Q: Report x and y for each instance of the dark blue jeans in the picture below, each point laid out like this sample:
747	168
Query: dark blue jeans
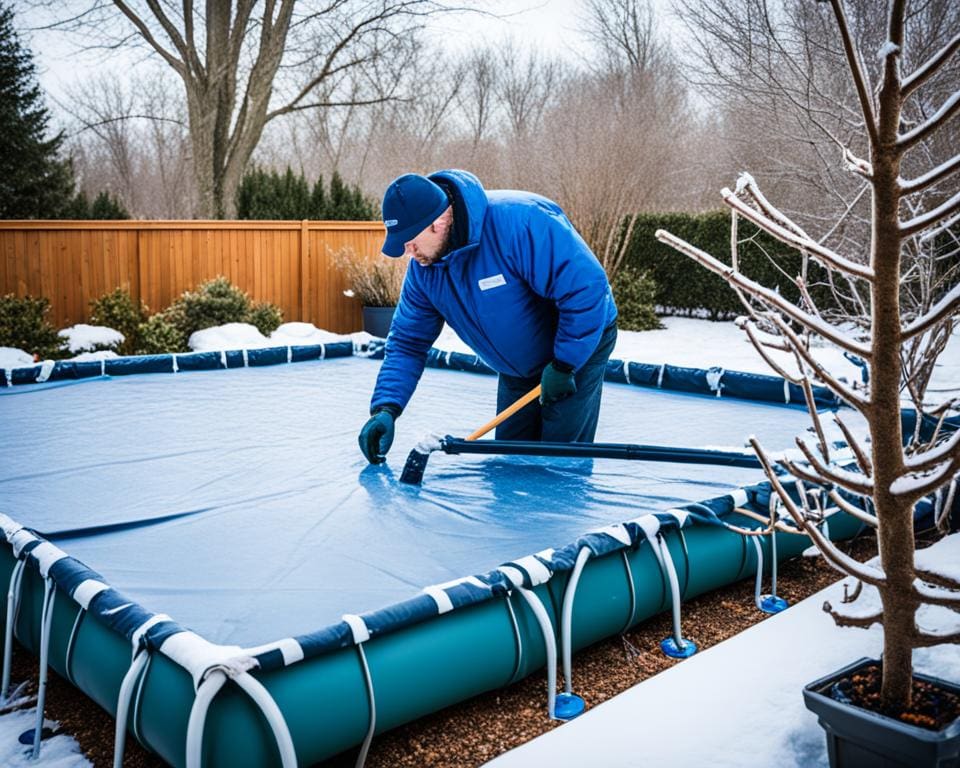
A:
571	420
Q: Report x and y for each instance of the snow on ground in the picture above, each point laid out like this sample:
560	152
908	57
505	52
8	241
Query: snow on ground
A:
694	343
60	751
738	704
83	338
246	336
11	357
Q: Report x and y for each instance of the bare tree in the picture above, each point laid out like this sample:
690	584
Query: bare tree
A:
612	136
892	470
526	85
477	96
131	138
243	64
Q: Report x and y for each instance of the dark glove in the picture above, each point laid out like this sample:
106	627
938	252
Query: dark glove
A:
556	383
376	437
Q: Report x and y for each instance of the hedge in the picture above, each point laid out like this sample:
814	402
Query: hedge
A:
685	287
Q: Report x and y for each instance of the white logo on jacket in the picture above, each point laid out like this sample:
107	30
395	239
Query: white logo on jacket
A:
494	281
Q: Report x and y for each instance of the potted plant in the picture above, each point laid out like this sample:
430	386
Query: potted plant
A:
375	282
883	301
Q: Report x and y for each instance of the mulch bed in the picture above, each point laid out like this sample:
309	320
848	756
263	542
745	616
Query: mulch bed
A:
475	731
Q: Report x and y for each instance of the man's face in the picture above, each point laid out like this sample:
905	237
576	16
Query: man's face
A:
430	245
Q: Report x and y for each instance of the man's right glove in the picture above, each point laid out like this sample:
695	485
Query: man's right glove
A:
376	437
556	383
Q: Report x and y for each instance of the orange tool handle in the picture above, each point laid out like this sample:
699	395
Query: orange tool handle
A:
506	413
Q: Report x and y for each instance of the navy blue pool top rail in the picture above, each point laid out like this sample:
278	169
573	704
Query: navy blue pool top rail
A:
704	381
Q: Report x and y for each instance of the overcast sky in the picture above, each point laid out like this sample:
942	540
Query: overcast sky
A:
548	25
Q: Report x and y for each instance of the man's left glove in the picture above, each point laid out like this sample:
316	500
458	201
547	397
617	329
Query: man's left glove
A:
557	383
376	437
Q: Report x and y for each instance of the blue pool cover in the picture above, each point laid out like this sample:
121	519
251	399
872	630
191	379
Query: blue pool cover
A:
238	501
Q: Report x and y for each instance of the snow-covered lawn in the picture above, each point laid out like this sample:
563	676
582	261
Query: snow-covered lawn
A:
738	704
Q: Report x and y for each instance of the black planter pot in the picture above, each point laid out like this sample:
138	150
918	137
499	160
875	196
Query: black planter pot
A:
376	320
858	738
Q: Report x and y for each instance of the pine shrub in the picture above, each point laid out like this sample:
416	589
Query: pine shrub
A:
23	325
215	302
635	292
119	310
160	334
266	317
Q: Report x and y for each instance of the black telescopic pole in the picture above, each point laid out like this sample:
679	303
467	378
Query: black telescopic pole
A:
456	445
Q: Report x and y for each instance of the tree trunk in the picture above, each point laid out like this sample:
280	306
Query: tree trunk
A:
894	512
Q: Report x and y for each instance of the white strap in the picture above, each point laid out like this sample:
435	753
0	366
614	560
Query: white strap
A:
46	368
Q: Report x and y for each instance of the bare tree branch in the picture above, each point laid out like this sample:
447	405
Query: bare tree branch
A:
763	293
856	71
861	622
923	73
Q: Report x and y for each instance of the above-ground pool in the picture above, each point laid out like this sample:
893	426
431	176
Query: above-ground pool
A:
336	601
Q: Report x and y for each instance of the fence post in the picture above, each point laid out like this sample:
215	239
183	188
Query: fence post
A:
304	271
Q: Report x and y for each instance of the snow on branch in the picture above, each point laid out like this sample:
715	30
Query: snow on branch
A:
923	73
930	177
913	485
937	579
857	165
849	481
948	109
928	219
762	293
746	184
948	449
803	243
852	509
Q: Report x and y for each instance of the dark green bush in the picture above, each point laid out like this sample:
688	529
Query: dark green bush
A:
119	311
161	334
215	302
635	293
23	325
266	317
685	287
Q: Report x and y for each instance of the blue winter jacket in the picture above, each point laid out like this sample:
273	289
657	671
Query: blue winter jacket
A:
524	290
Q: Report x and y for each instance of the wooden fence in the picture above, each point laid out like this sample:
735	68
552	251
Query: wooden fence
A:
288	263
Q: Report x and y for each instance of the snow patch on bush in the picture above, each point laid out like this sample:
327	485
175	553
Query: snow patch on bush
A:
86	338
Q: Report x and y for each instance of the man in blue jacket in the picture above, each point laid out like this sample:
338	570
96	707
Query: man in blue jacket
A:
515	280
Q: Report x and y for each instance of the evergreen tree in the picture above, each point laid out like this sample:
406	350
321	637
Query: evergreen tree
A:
106	206
340	203
34	181
318	201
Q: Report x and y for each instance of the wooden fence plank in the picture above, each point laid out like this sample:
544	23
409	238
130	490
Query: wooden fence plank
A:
287	263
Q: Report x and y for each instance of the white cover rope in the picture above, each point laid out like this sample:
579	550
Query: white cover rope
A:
209	688
566	623
130	680
371	697
546	629
13	606
46	621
